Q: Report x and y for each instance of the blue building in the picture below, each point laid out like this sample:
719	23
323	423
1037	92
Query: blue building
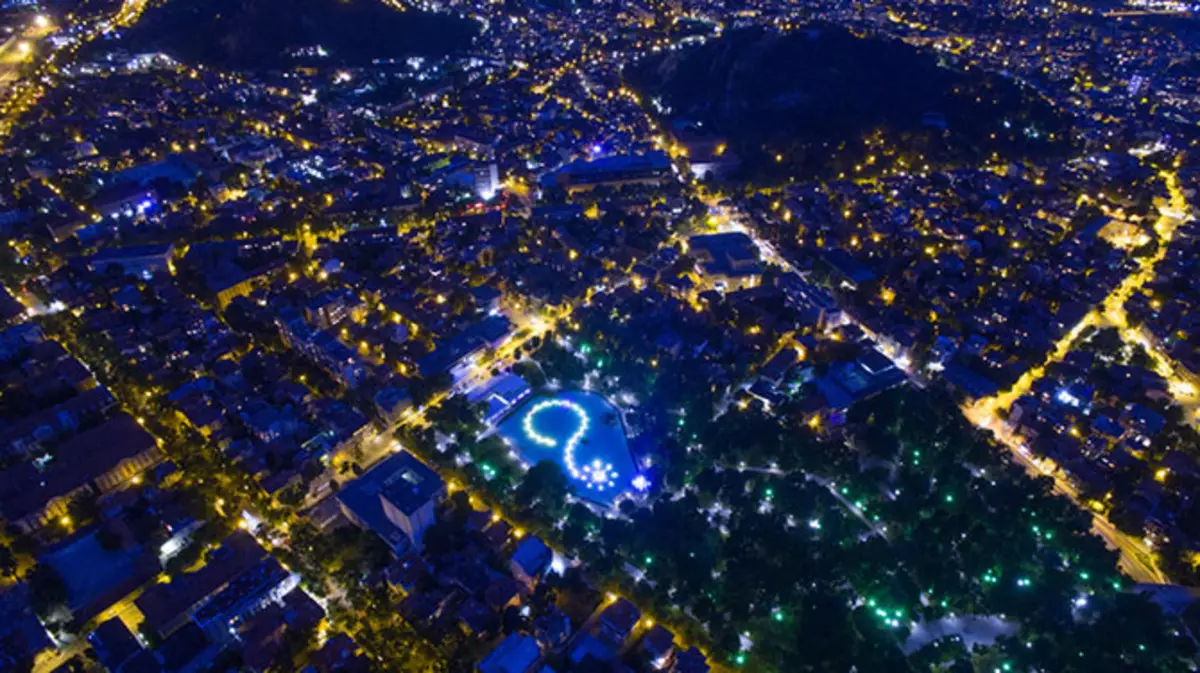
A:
396	500
531	560
515	654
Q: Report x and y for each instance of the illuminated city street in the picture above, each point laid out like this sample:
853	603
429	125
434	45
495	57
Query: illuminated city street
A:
1136	558
673	336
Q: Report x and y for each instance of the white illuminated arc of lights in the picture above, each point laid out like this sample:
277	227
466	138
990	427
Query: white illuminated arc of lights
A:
597	475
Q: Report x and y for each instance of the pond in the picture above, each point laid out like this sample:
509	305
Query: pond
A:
581	432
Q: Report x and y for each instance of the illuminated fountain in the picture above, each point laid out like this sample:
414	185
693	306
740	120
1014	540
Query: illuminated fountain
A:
581	432
597	474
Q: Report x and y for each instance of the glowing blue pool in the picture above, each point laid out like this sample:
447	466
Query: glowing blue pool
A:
582	433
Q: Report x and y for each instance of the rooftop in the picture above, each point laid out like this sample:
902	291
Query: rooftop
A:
515	654
161	604
25	491
405	481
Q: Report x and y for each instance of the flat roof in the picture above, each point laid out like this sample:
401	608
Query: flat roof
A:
411	485
409	482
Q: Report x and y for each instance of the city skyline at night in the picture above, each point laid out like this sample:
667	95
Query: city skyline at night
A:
584	336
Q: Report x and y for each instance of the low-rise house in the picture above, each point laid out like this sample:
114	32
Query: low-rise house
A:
657	647
263	635
530	561
515	654
691	660
114	644
731	257
617	621
340	654
552	629
50	424
476	619
392	402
